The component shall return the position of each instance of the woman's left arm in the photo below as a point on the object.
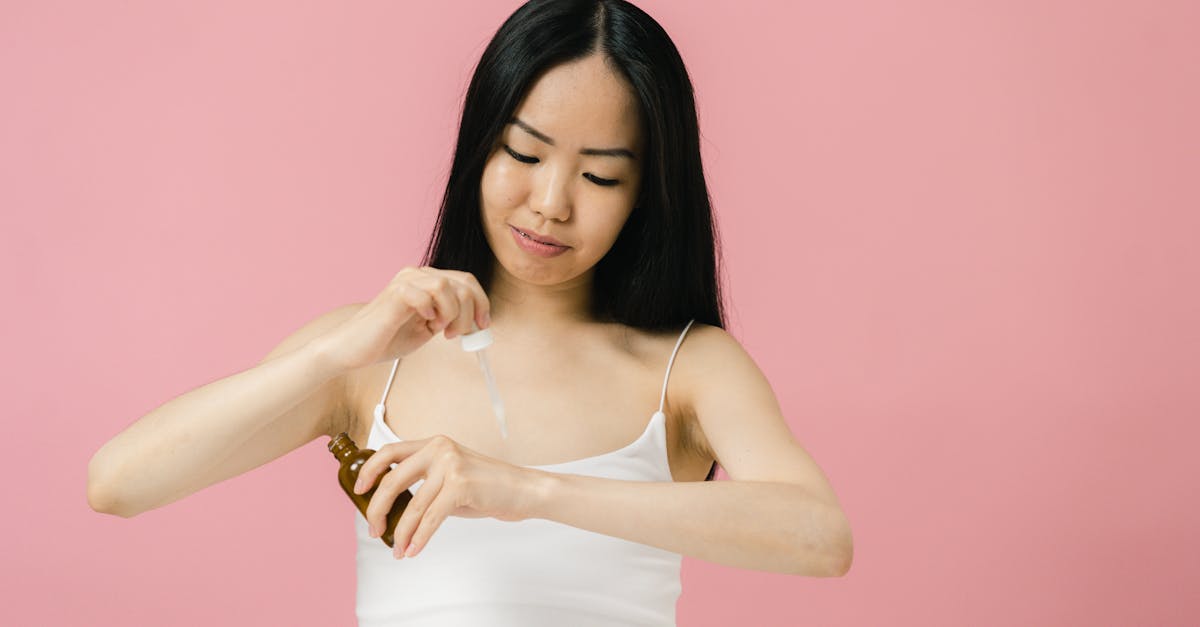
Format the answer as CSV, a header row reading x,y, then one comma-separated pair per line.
x,y
778,512
760,525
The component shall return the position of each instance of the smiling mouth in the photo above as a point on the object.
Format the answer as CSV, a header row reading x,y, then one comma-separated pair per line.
x,y
532,239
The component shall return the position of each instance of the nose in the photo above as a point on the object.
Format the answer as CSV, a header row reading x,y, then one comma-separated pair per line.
x,y
551,195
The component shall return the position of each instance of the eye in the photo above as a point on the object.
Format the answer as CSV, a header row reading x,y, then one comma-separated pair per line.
x,y
599,181
591,177
520,157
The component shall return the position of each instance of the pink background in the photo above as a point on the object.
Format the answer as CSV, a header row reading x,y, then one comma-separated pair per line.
x,y
960,241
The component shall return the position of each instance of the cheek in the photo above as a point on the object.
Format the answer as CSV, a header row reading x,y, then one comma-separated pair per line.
x,y
500,186
605,226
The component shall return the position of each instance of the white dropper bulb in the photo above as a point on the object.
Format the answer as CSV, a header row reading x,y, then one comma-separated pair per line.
x,y
476,342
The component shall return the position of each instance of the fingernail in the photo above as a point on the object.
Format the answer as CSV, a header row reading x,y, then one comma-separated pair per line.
x,y
411,550
487,318
358,487
397,554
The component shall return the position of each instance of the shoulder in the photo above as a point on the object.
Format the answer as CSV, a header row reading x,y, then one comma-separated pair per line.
x,y
708,354
718,381
704,352
653,348
705,355
708,351
709,335
739,415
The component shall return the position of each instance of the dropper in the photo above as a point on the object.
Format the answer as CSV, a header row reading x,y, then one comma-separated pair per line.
x,y
476,342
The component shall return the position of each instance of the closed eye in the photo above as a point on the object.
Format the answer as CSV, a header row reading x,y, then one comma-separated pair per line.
x,y
589,176
520,157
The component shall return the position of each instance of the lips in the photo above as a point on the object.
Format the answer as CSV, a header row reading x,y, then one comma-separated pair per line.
x,y
545,239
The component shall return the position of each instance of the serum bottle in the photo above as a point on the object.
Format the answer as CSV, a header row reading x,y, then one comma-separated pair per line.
x,y
350,460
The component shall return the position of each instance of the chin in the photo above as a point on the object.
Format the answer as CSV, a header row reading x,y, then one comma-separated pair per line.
x,y
538,274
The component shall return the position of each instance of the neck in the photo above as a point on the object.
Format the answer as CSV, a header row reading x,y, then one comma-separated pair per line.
x,y
518,306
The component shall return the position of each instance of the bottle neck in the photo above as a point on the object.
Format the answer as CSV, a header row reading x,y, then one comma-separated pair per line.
x,y
342,446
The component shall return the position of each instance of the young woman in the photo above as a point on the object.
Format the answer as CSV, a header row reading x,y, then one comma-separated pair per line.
x,y
576,225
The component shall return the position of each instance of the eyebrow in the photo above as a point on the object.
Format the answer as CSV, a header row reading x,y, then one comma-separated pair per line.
x,y
599,152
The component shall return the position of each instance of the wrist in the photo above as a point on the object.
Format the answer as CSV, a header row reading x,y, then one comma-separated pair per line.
x,y
541,490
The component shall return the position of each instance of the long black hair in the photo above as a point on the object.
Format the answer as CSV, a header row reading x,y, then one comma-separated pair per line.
x,y
662,270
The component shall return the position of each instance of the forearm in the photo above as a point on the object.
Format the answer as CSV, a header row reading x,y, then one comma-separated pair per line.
x,y
776,527
161,457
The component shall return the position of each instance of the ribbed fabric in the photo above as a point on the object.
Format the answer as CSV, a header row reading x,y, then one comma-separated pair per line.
x,y
531,573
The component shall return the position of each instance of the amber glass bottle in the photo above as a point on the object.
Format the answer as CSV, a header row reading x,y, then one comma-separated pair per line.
x,y
350,459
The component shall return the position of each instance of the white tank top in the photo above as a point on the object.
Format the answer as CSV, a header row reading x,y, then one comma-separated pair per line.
x,y
529,573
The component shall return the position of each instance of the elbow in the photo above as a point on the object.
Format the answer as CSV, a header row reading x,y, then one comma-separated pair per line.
x,y
100,499
832,556
100,495
835,562
100,502
843,563
844,556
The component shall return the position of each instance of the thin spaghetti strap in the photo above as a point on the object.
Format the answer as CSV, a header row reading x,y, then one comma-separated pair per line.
x,y
380,407
662,401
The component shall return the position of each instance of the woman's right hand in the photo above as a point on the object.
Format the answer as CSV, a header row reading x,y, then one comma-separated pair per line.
x,y
416,305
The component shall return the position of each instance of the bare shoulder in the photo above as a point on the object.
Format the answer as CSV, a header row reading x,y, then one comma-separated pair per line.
x,y
706,353
702,355
738,414
711,349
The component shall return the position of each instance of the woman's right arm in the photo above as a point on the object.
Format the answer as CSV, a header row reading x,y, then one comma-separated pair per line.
x,y
225,428
296,394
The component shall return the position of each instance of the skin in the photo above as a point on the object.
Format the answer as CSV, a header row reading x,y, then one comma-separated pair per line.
x,y
575,388
578,105
549,352
555,408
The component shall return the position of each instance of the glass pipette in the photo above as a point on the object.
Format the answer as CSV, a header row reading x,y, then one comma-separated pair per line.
x,y
476,342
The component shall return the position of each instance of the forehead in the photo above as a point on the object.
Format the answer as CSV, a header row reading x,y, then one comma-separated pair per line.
x,y
582,103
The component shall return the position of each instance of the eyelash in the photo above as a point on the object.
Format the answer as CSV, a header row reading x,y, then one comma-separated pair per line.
x,y
530,160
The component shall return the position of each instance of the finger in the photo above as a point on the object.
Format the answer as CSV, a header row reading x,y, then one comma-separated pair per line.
x,y
437,285
415,512
383,460
463,324
441,507
482,306
405,473
419,300
466,291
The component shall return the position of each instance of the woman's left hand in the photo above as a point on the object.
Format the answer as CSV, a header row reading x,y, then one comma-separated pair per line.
x,y
458,482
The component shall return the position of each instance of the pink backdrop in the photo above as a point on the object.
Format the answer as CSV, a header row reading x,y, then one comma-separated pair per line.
x,y
960,241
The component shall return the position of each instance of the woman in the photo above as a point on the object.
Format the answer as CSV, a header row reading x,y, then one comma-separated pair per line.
x,y
579,129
